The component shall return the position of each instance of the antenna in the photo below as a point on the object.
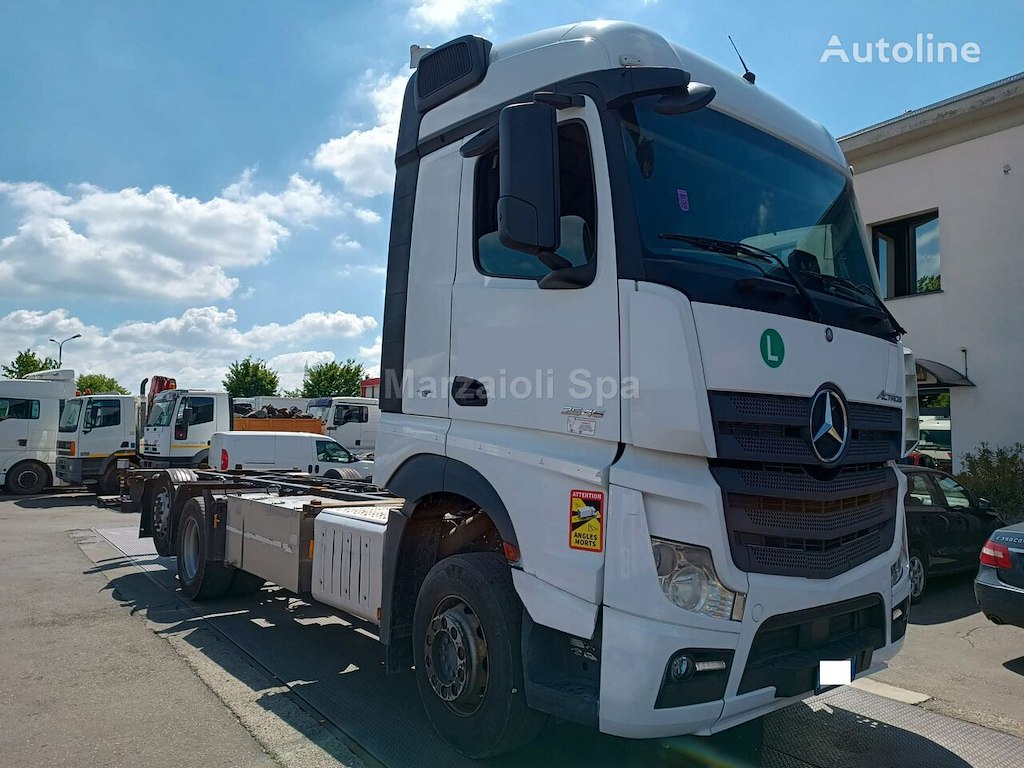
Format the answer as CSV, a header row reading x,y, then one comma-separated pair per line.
x,y
747,74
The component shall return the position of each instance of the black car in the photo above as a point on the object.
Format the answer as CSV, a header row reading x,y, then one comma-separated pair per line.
x,y
999,586
946,526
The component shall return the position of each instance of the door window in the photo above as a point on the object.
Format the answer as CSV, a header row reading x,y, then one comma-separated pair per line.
x,y
103,413
202,410
578,210
329,451
18,408
918,490
956,495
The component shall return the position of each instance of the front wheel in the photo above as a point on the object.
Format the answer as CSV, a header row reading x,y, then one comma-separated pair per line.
x,y
27,478
467,631
110,483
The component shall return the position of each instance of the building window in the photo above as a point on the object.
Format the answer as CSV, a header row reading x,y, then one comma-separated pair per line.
x,y
907,255
579,210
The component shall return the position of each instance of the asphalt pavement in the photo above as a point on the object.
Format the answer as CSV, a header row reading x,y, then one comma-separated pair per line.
x,y
271,679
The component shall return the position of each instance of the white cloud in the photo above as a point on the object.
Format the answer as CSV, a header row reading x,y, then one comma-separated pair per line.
x,y
357,270
370,357
195,347
147,245
344,242
364,159
291,366
445,15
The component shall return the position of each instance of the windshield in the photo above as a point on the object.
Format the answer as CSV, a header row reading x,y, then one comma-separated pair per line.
x,y
69,419
328,450
706,174
163,410
936,438
319,412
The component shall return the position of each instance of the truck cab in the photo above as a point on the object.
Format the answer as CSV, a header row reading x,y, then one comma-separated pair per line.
x,y
352,421
95,432
29,412
179,427
632,317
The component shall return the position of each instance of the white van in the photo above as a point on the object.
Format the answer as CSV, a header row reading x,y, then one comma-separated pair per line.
x,y
352,421
301,451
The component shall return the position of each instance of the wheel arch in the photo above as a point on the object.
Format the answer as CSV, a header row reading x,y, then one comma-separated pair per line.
x,y
430,485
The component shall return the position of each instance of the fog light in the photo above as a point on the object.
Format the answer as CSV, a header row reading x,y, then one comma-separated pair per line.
x,y
680,667
687,577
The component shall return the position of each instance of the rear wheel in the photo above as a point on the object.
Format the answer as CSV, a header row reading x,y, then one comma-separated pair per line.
x,y
200,579
28,478
918,575
467,632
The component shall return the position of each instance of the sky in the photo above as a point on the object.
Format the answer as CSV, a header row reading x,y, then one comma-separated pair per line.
x,y
186,184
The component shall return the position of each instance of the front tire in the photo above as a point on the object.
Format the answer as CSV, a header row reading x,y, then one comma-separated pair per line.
x,y
467,631
200,579
110,483
28,478
918,575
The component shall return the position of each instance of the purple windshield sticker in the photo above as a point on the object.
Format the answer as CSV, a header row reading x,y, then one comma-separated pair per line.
x,y
684,199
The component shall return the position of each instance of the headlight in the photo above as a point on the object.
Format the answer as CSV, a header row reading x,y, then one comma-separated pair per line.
x,y
687,577
902,565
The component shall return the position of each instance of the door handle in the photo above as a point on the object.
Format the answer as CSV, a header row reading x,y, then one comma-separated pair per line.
x,y
469,392
23,442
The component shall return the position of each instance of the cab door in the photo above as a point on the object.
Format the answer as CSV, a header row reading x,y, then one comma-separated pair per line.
x,y
534,388
102,422
15,415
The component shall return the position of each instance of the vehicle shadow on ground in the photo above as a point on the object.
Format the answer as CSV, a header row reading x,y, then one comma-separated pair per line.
x,y
1015,665
59,497
947,598
335,668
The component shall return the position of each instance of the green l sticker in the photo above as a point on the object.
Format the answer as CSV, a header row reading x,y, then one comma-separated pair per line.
x,y
773,351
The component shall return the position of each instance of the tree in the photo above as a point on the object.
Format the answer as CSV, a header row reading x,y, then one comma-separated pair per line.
x,y
929,283
26,362
251,378
99,384
332,379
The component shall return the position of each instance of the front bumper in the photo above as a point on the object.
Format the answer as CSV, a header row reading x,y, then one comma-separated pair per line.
x,y
998,600
636,652
70,470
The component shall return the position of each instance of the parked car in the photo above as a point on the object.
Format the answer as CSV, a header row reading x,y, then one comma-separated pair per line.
x,y
946,526
999,585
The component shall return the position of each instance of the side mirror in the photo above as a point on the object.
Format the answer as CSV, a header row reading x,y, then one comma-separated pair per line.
x,y
528,201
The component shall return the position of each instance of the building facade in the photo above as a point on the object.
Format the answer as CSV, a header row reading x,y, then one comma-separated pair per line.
x,y
941,190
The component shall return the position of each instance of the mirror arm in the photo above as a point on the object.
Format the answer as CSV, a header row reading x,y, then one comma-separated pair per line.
x,y
559,100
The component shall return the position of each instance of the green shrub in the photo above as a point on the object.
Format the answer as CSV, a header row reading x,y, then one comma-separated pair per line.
x,y
997,475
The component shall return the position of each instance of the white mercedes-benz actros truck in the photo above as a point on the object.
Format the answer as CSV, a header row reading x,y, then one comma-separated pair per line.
x,y
641,405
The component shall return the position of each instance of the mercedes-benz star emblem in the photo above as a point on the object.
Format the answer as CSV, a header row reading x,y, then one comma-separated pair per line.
x,y
830,429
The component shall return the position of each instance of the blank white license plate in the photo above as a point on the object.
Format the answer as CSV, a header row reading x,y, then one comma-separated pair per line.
x,y
835,672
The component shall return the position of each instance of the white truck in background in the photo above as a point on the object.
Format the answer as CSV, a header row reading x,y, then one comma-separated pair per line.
x,y
641,470
316,455
30,410
181,423
95,432
352,421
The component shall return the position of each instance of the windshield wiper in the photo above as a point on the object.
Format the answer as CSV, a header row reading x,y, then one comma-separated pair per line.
x,y
730,248
860,290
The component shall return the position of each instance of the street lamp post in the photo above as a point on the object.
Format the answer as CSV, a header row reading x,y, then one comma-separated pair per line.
x,y
60,347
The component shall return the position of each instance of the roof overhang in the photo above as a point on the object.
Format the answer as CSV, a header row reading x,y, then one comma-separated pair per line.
x,y
932,375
